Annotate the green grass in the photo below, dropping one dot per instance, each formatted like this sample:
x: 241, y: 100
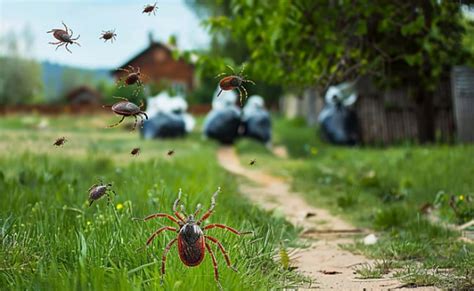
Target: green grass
x: 50, y: 238
x: 384, y: 189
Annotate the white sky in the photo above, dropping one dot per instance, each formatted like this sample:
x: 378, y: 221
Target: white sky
x: 88, y: 18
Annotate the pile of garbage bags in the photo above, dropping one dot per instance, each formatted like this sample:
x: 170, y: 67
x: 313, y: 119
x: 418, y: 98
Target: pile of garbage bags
x: 227, y: 122
x: 337, y: 119
x: 167, y: 117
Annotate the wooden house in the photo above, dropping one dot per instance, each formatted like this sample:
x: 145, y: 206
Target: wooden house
x: 159, y: 66
x: 83, y: 95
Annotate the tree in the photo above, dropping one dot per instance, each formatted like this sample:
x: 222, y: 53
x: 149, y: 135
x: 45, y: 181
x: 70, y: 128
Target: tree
x: 315, y: 43
x: 229, y: 51
x: 20, y: 78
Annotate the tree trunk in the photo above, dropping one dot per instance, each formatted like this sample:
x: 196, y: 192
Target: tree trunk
x: 425, y: 116
x: 311, y: 110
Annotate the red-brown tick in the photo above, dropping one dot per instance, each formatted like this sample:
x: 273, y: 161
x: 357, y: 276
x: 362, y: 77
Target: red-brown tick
x: 109, y: 34
x: 234, y: 81
x: 192, y: 240
x: 64, y: 37
x: 60, y: 141
x: 135, y: 151
x: 133, y: 76
x: 96, y: 191
x: 150, y: 9
x: 127, y: 108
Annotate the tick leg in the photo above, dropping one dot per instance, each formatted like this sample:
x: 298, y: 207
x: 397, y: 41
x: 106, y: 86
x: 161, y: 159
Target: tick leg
x: 223, y: 251
x: 67, y: 31
x: 135, y: 124
x: 219, y: 93
x: 249, y: 81
x: 122, y: 98
x: 219, y: 75
x: 240, y: 95
x: 152, y: 237
x: 163, y: 259
x: 67, y: 48
x: 223, y: 226
x: 60, y: 45
x: 114, y: 125
x: 232, y: 69
x: 214, y: 263
x: 213, y: 204
x: 175, y: 207
x: 55, y: 43
x: 242, y: 70
x: 156, y: 215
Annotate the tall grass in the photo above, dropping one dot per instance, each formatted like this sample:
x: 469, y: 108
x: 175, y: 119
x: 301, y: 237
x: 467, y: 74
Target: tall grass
x: 51, y: 239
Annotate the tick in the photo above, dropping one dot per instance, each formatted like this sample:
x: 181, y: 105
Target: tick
x: 96, y: 191
x: 109, y: 34
x: 170, y: 152
x: 252, y: 162
x: 126, y: 108
x: 133, y: 76
x: 135, y: 151
x: 60, y: 141
x: 191, y: 238
x: 150, y: 9
x: 234, y: 81
x: 64, y: 37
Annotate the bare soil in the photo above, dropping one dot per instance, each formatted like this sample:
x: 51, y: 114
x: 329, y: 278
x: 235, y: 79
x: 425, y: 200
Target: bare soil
x: 324, y: 261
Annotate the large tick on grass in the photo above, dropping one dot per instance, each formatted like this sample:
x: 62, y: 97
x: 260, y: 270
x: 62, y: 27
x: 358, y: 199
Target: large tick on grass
x: 96, y: 192
x: 191, y: 238
x: 133, y: 76
x: 127, y: 108
x: 64, y: 37
x: 150, y: 9
x: 234, y: 81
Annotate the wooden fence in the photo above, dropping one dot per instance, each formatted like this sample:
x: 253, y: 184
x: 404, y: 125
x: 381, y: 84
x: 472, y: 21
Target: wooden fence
x: 198, y: 109
x: 389, y: 117
x: 462, y: 79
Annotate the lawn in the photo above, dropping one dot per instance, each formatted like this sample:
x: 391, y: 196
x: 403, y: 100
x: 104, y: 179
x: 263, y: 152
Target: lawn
x: 51, y: 239
x: 387, y: 190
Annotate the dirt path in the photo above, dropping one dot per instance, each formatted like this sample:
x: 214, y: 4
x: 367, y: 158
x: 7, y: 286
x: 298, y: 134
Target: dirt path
x: 323, y: 230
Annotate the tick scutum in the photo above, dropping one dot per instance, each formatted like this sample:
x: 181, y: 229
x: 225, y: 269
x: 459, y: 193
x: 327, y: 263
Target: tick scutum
x: 191, y: 245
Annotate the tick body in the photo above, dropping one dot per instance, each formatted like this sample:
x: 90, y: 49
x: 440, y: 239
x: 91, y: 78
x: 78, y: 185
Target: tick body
x: 150, y: 9
x: 252, y: 162
x: 126, y: 108
x: 234, y: 81
x: 108, y: 35
x: 135, y: 152
x: 191, y: 244
x: 133, y: 76
x: 60, y: 141
x: 64, y: 36
x: 170, y: 152
x: 192, y: 240
x: 97, y: 191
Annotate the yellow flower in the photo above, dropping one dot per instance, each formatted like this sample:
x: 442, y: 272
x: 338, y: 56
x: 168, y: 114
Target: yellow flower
x: 119, y: 206
x: 461, y: 197
x: 89, y: 223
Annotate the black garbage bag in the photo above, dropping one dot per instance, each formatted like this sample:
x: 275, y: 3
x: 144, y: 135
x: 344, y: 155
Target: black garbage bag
x: 258, y: 126
x: 164, y: 125
x: 223, y: 125
x: 339, y: 124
